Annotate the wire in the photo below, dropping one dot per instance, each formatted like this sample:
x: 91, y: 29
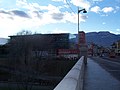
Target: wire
x: 70, y: 6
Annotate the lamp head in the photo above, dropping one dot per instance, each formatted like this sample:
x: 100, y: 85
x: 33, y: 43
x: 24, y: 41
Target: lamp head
x: 84, y: 11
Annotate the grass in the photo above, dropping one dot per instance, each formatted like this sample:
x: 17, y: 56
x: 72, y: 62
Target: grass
x: 57, y: 68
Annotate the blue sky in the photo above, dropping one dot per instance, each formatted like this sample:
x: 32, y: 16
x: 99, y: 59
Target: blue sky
x: 58, y: 16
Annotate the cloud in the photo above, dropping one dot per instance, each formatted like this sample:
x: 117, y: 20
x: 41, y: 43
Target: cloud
x: 4, y: 12
x: 59, y: 31
x: 33, y: 16
x: 21, y: 3
x: 95, y: 9
x: 107, y: 9
x: 104, y: 10
x: 59, y: 1
x: 104, y: 23
x: 57, y: 16
x: 20, y: 13
x: 51, y: 8
x: 28, y: 6
x: 117, y: 8
x: 97, y: 0
x: 81, y: 3
x: 68, y: 17
x: 37, y: 7
x: 36, y: 14
x: 50, y: 12
x: 118, y: 30
x: 13, y: 13
x: 5, y: 15
x: 83, y: 17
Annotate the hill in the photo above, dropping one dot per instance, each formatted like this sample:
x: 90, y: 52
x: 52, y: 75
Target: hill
x: 103, y: 38
x: 3, y: 41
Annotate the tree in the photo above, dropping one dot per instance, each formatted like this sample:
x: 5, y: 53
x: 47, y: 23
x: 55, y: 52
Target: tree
x: 24, y: 46
x: 20, y: 49
x: 24, y: 32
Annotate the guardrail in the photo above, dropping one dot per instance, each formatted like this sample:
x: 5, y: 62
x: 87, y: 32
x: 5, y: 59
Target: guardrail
x: 74, y: 79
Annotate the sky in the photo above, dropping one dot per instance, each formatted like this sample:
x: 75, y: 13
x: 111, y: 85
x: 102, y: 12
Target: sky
x: 58, y: 16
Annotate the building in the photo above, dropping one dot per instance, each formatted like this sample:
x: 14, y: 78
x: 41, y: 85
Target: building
x: 116, y: 47
x: 39, y: 45
x: 70, y: 54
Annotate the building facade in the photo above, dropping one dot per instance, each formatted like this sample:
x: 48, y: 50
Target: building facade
x: 39, y: 45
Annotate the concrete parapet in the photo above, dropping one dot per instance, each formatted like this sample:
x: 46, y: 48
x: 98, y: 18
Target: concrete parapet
x: 74, y: 79
x: 83, y: 52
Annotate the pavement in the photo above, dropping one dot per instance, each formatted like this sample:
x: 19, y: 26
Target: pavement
x: 96, y: 78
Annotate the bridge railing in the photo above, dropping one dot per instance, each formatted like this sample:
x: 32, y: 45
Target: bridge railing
x: 74, y: 79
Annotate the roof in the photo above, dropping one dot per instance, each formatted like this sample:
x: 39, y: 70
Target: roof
x: 40, y: 34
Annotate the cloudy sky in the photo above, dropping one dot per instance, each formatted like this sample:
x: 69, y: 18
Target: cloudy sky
x: 58, y: 16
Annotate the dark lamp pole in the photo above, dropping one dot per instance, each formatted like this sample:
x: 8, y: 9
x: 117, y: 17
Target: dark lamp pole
x: 81, y: 45
x: 82, y: 10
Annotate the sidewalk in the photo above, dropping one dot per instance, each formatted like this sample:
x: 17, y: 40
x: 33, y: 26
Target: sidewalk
x: 96, y: 78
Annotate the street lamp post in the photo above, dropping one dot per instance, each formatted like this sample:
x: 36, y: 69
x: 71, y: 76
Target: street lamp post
x: 84, y: 11
x: 82, y: 47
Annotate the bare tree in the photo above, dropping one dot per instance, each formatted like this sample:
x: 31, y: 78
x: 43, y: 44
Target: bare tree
x: 24, y: 32
x: 23, y: 47
x: 20, y: 55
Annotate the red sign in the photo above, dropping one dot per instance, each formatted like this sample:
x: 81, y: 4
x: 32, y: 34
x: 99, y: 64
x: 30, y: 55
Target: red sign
x: 68, y: 51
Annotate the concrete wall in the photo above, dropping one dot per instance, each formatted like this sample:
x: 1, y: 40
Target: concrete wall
x: 74, y: 79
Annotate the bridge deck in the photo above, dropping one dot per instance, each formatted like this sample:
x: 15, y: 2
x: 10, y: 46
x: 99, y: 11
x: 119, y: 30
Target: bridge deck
x: 96, y: 78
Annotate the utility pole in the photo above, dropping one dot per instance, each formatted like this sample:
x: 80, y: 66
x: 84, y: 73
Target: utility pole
x: 81, y: 40
x: 78, y: 19
x: 84, y: 11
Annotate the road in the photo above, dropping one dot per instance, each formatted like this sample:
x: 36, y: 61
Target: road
x: 110, y: 65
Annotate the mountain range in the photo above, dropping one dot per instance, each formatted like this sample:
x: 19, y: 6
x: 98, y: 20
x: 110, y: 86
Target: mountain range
x: 103, y: 38
x: 3, y: 41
